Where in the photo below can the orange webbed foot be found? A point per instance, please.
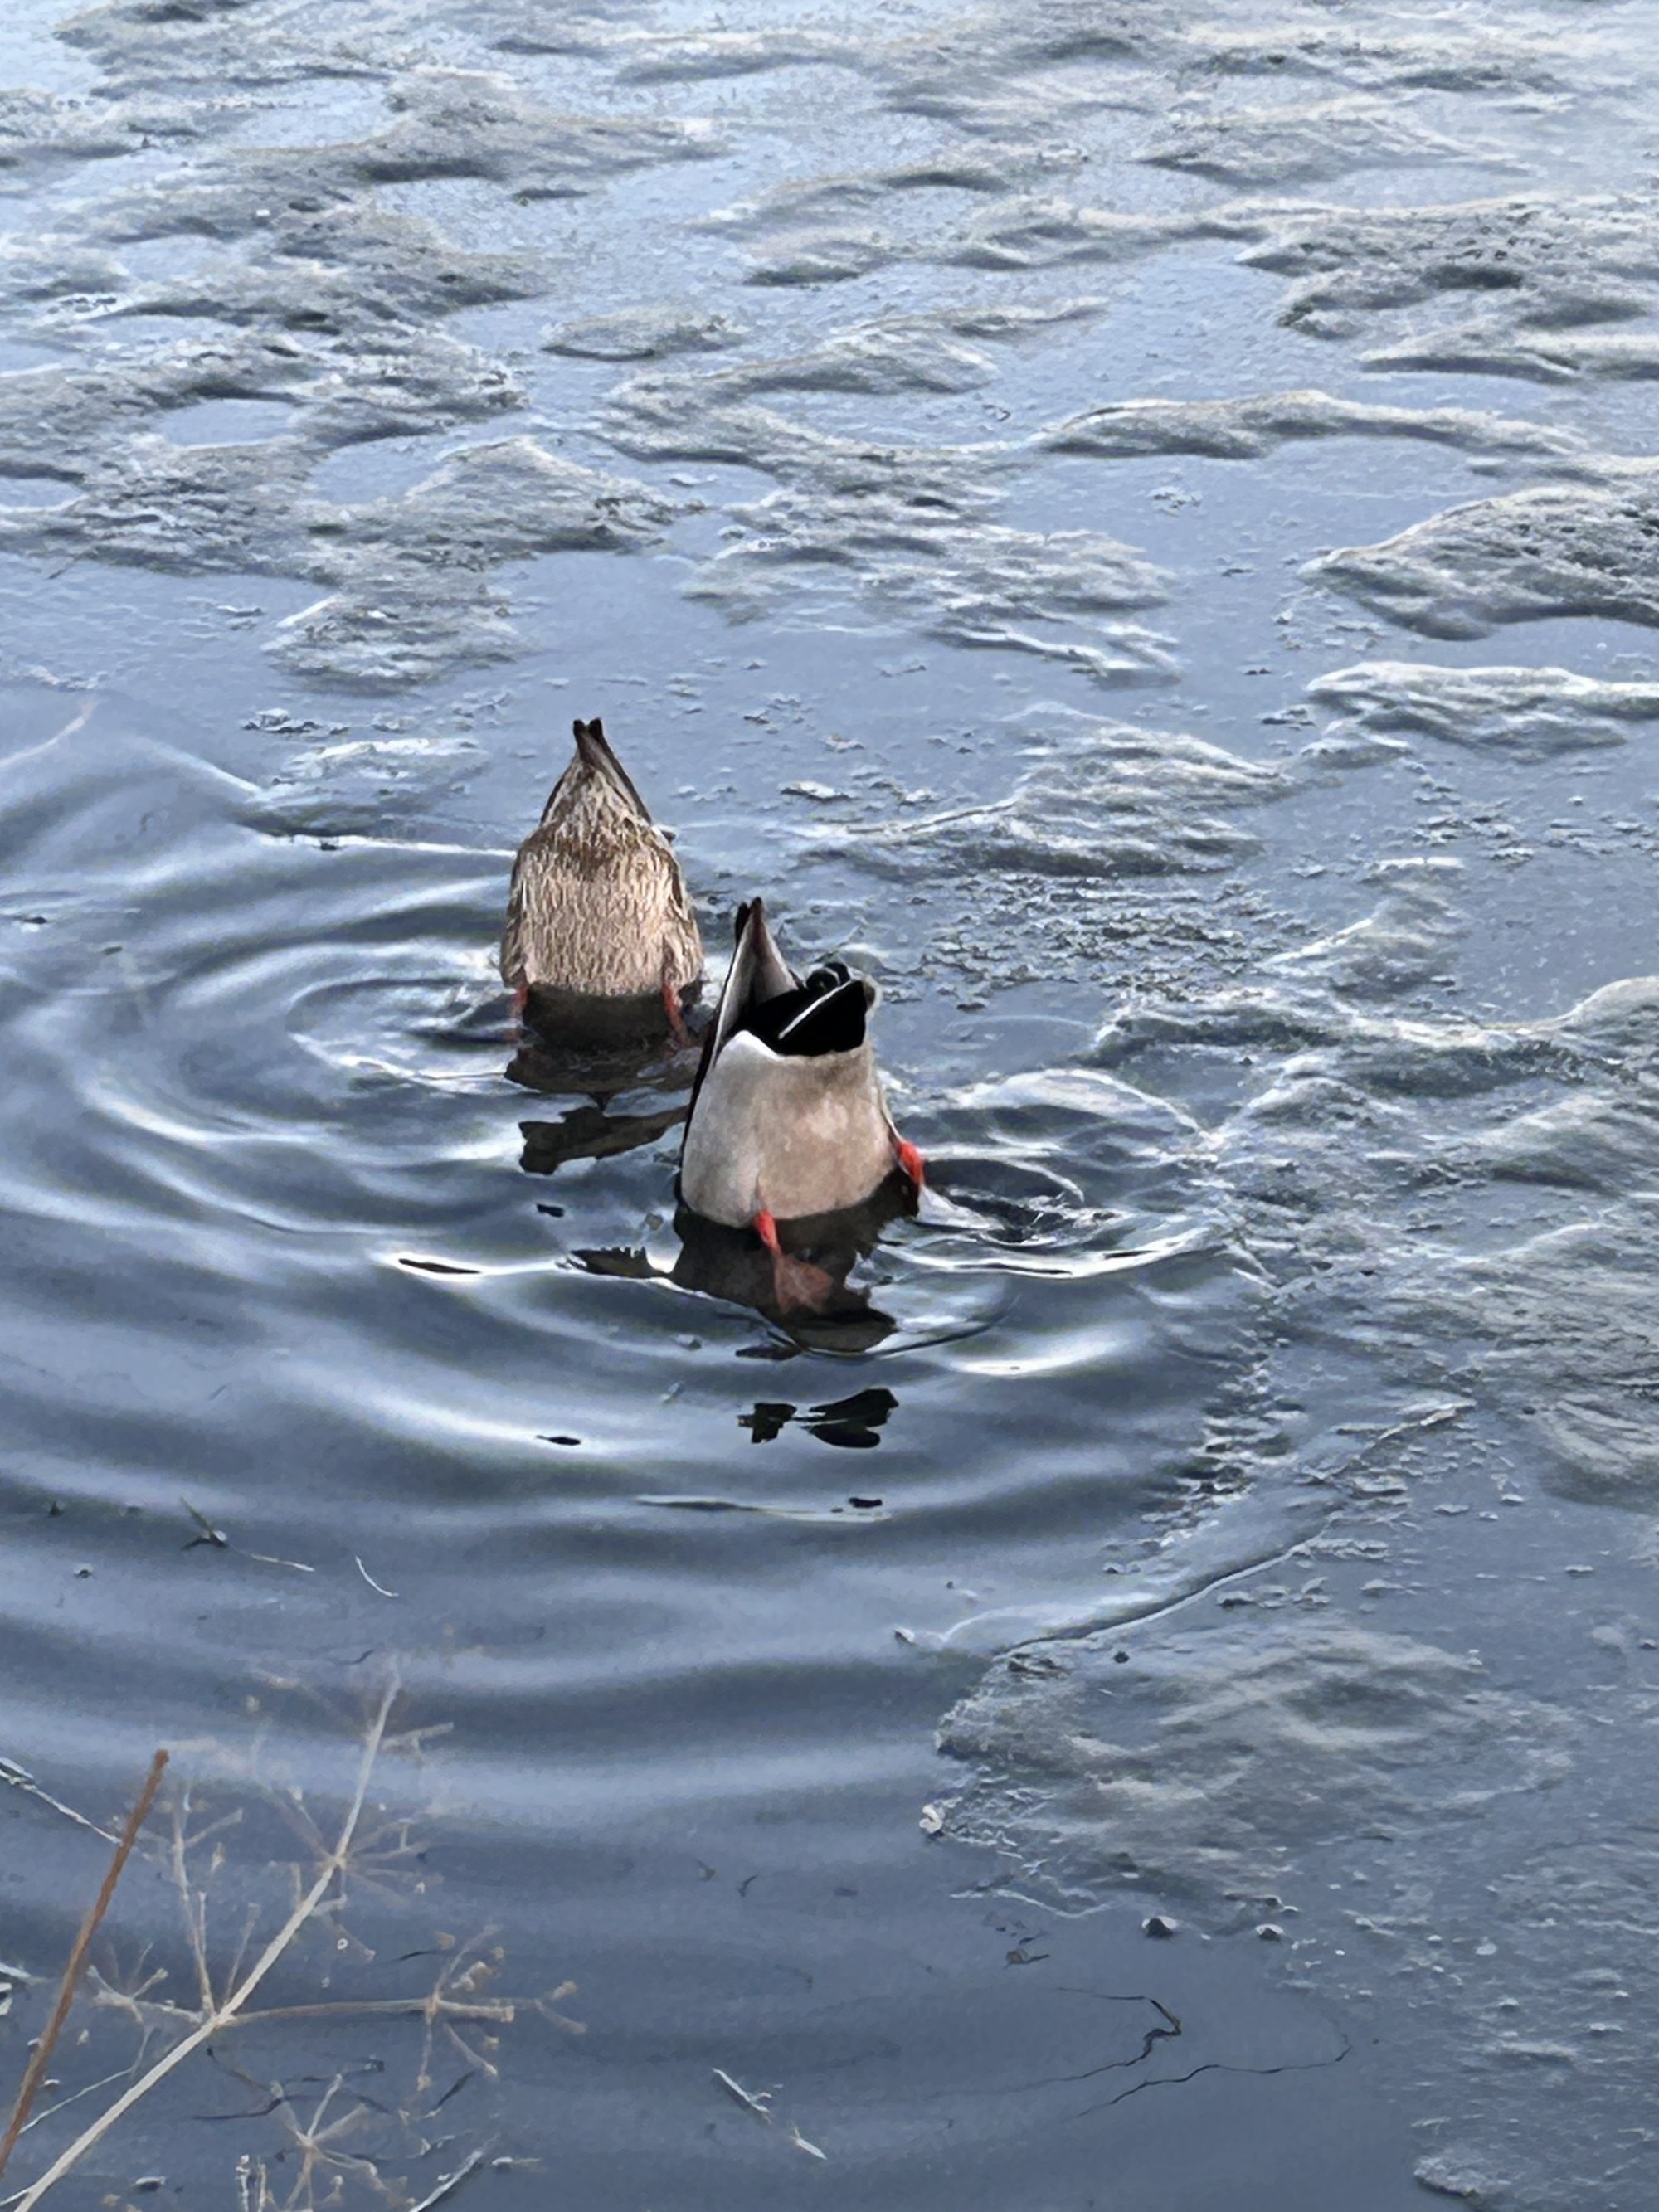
(681, 1036)
(797, 1284)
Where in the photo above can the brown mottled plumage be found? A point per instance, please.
(598, 909)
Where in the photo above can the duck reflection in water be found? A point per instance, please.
(851, 1422)
(592, 1132)
(802, 1288)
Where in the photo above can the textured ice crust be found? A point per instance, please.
(1211, 1764)
(341, 296)
(1528, 713)
(1313, 138)
(1533, 258)
(1403, 942)
(397, 615)
(1244, 429)
(318, 295)
(644, 334)
(863, 532)
(1443, 1849)
(1106, 799)
(1363, 1110)
(1529, 556)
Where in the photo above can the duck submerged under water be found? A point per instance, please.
(788, 1120)
(601, 942)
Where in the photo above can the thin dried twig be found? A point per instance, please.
(34, 2072)
(91, 2089)
(220, 1542)
(450, 2183)
(755, 2101)
(214, 2019)
(18, 1778)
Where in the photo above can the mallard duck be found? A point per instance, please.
(600, 932)
(787, 1117)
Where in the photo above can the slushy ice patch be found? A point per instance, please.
(1525, 557)
(1527, 714)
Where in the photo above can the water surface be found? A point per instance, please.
(1140, 533)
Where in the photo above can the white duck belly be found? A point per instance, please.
(771, 1134)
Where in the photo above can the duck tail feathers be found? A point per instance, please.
(758, 972)
(594, 751)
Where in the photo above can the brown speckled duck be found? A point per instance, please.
(788, 1120)
(600, 936)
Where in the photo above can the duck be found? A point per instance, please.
(788, 1120)
(601, 935)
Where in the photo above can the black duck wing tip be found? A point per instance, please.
(758, 972)
(833, 1022)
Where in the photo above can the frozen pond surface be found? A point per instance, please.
(1142, 529)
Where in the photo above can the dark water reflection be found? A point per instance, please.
(280, 1261)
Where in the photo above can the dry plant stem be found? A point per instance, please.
(450, 2183)
(214, 2019)
(436, 2006)
(35, 2072)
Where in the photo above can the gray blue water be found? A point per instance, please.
(1141, 531)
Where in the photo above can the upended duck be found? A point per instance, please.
(601, 939)
(788, 1120)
